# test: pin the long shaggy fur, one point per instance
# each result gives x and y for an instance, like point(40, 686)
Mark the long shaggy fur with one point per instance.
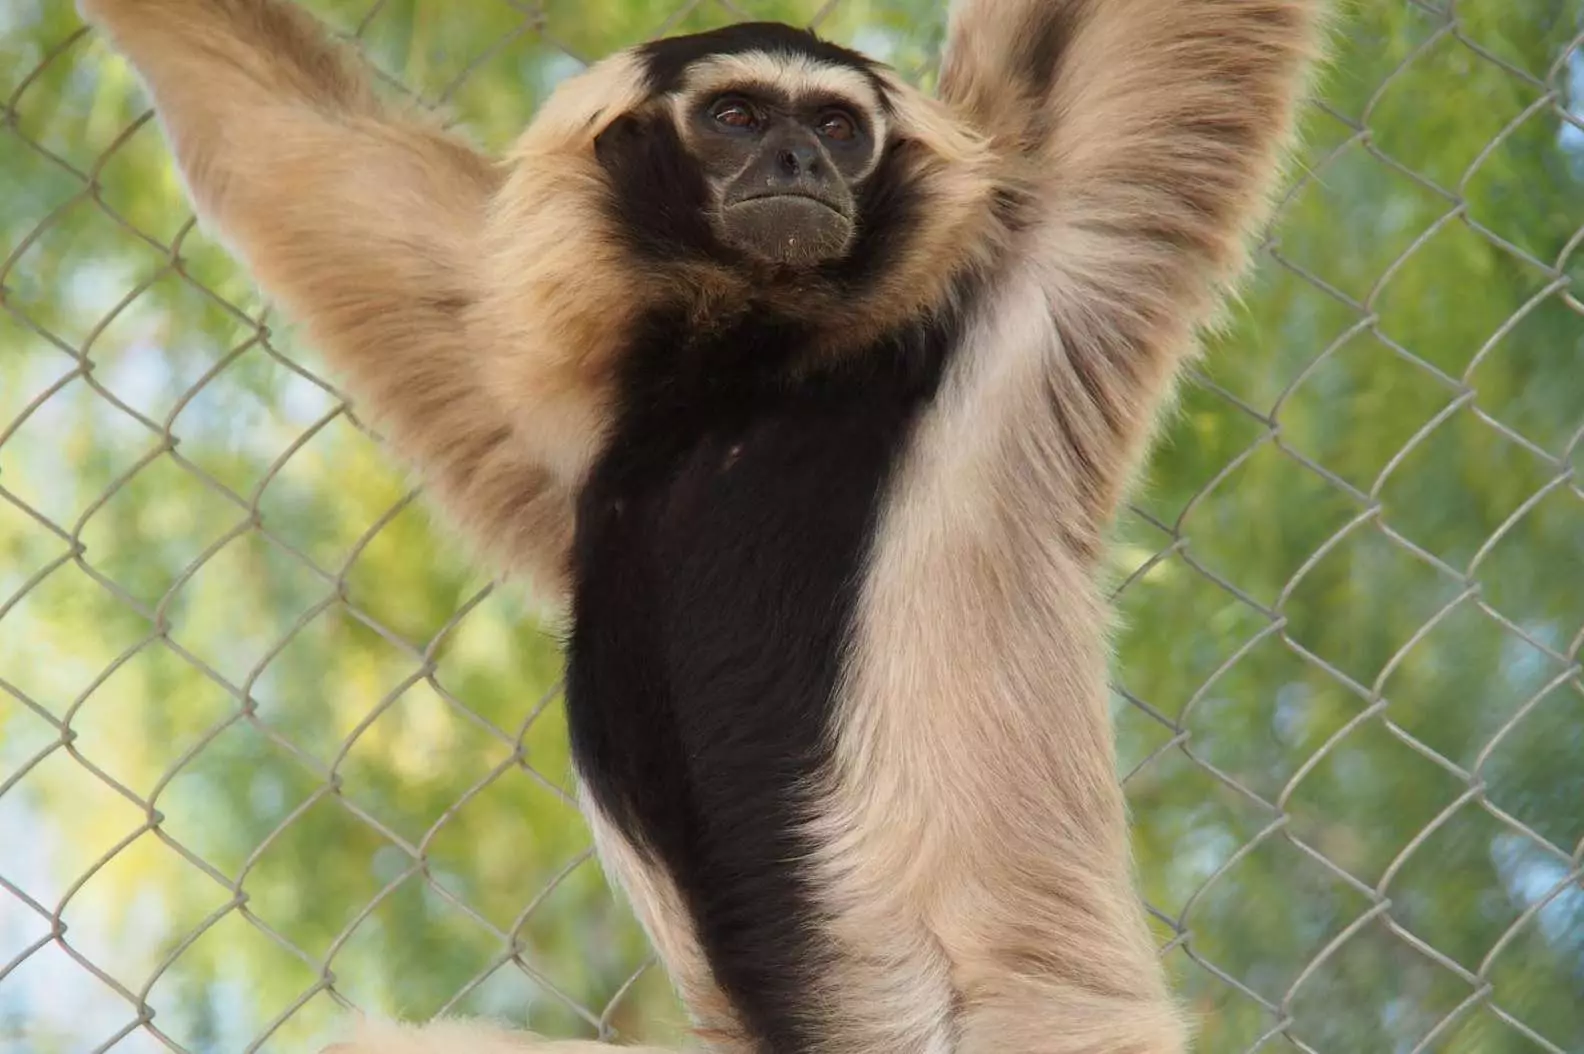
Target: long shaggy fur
point(901, 764)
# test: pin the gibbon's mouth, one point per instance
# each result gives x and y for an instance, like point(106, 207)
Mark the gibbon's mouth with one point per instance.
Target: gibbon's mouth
point(788, 228)
point(791, 195)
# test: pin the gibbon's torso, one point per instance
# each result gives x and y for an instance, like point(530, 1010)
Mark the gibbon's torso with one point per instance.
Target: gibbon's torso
point(719, 543)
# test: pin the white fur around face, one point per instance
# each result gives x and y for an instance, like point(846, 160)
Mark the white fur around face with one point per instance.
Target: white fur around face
point(796, 77)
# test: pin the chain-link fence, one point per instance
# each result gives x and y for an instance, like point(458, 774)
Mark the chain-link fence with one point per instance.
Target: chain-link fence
point(269, 749)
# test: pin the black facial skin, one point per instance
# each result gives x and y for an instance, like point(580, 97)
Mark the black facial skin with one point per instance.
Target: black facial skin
point(782, 174)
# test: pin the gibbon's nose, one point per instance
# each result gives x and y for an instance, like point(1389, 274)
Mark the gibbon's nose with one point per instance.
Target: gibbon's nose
point(793, 159)
point(798, 159)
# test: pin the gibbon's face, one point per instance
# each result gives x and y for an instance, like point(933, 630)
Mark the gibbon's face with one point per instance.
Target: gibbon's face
point(782, 167)
point(752, 149)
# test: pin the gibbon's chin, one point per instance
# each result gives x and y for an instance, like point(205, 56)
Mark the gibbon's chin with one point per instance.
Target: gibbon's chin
point(787, 229)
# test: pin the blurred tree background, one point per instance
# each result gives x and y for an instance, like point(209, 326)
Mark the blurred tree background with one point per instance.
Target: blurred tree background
point(267, 743)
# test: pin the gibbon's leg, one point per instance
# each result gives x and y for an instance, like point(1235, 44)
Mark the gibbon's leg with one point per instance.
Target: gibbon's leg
point(1148, 135)
point(658, 905)
point(362, 223)
point(468, 1037)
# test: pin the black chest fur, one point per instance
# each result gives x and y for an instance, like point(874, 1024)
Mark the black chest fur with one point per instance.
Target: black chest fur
point(719, 548)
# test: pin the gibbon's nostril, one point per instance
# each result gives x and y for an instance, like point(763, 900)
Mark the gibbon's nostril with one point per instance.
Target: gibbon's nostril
point(798, 160)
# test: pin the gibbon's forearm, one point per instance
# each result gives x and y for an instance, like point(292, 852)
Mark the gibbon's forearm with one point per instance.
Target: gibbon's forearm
point(363, 224)
point(1148, 135)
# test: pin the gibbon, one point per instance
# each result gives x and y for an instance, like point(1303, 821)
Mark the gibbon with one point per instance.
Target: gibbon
point(811, 397)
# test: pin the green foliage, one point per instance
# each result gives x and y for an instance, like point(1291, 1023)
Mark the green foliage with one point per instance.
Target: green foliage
point(267, 741)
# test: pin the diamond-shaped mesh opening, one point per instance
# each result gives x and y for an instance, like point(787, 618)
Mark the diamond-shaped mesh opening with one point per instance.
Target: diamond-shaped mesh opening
point(270, 747)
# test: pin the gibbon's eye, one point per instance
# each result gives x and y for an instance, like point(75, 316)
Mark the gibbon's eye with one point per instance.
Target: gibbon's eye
point(734, 113)
point(838, 125)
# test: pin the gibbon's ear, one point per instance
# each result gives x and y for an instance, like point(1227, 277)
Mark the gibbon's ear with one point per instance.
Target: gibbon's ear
point(363, 223)
point(620, 134)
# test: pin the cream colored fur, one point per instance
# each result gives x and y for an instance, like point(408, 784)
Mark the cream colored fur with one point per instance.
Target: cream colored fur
point(973, 851)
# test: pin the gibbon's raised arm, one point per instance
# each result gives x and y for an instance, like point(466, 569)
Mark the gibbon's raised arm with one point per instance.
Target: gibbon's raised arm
point(363, 223)
point(1146, 135)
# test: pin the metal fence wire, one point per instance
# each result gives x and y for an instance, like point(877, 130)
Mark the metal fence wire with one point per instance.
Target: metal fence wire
point(270, 749)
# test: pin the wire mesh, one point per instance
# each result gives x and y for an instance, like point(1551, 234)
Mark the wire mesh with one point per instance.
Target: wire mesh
point(263, 758)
